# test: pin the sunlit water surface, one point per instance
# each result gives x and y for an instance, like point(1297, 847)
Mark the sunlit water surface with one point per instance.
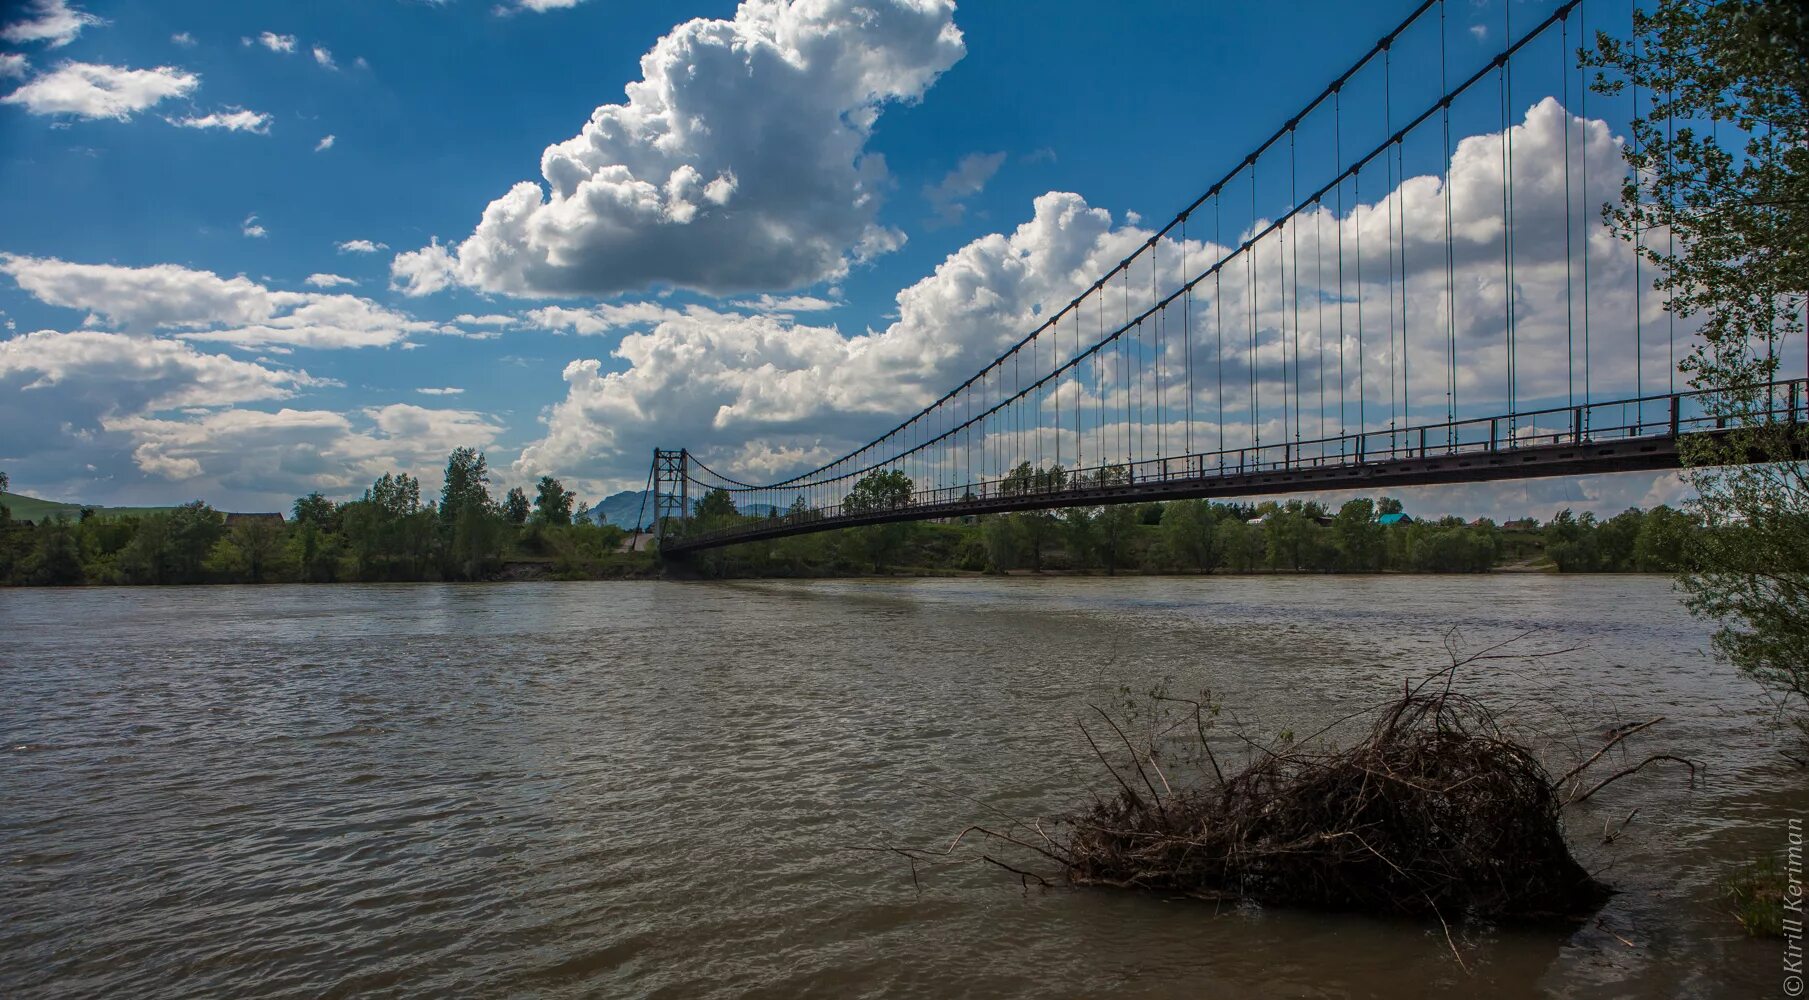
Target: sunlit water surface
point(660, 789)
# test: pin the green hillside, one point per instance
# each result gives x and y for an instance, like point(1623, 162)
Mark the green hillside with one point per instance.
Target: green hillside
point(33, 509)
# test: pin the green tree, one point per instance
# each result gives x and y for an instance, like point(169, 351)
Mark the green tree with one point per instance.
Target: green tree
point(1241, 543)
point(1078, 535)
point(1291, 535)
point(1113, 528)
point(467, 484)
point(553, 502)
point(471, 527)
point(1615, 539)
point(1038, 529)
point(194, 528)
point(515, 506)
point(1733, 201)
point(715, 507)
point(1190, 534)
point(316, 510)
point(1665, 541)
point(314, 553)
point(1004, 542)
point(56, 556)
point(876, 492)
point(1360, 539)
point(1570, 542)
point(249, 551)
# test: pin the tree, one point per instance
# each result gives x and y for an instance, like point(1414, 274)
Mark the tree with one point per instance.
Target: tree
point(56, 556)
point(515, 506)
point(1360, 538)
point(194, 528)
point(1189, 532)
point(1733, 203)
point(1037, 529)
point(1113, 527)
point(1003, 540)
point(467, 484)
point(250, 549)
point(715, 507)
point(553, 502)
point(1078, 535)
point(316, 510)
point(1389, 505)
point(1570, 542)
point(880, 491)
point(1665, 541)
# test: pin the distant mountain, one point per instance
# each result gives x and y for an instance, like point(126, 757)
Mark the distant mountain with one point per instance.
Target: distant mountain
point(623, 508)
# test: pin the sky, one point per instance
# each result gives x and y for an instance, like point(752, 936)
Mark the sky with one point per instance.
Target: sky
point(252, 250)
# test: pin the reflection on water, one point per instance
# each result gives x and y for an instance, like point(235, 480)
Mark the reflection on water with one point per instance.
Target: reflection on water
point(650, 789)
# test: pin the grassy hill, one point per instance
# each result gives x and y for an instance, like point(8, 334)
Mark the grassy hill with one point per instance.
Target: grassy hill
point(33, 509)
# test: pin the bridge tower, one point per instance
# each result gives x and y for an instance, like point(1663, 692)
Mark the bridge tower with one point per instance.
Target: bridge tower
point(671, 489)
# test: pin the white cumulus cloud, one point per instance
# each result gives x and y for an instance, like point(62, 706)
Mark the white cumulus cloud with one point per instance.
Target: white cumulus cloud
point(325, 143)
point(329, 280)
point(53, 22)
point(361, 246)
point(13, 64)
point(737, 163)
point(89, 90)
point(277, 43)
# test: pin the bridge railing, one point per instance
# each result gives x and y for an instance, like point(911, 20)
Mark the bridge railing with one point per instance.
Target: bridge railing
point(1657, 416)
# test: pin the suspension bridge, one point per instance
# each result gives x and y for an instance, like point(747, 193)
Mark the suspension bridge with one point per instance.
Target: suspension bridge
point(1362, 301)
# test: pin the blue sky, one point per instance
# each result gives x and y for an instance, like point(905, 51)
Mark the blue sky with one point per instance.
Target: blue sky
point(244, 256)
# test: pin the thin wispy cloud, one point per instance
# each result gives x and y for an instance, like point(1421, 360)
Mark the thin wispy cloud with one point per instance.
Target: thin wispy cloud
point(237, 120)
point(275, 42)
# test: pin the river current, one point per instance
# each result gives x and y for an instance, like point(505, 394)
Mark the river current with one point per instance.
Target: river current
point(634, 789)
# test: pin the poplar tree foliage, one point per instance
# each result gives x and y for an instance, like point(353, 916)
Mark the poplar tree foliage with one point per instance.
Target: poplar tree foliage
point(553, 502)
point(1718, 200)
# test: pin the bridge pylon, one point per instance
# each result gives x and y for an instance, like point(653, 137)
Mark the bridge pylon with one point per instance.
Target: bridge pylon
point(671, 491)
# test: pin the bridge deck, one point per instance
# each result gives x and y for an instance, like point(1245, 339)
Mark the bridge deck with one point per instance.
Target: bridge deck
point(1470, 451)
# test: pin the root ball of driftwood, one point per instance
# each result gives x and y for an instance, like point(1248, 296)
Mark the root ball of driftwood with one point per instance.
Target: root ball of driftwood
point(1435, 811)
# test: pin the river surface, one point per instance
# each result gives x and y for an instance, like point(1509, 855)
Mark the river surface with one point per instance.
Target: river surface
point(664, 789)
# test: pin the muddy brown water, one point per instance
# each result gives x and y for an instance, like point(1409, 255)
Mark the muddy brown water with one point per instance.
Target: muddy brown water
point(656, 789)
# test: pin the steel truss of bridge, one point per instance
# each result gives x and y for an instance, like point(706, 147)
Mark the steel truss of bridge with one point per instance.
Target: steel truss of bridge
point(1621, 436)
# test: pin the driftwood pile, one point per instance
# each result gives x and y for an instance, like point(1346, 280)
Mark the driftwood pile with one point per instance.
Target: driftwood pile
point(1435, 811)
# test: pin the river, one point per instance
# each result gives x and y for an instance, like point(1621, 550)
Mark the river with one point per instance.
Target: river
point(663, 789)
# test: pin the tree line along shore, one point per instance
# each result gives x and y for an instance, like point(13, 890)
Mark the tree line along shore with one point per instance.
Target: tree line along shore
point(391, 533)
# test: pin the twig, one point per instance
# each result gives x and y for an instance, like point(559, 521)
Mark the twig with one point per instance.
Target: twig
point(1623, 734)
point(1618, 775)
point(1449, 942)
point(1609, 838)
